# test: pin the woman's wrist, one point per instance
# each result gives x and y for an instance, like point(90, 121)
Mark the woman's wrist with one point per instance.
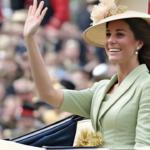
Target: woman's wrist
point(28, 38)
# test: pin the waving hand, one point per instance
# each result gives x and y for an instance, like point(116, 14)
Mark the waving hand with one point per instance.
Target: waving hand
point(34, 19)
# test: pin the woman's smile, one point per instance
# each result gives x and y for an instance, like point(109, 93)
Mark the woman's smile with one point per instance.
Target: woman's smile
point(114, 50)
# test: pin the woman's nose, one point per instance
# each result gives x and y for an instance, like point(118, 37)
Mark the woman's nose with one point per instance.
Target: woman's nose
point(112, 39)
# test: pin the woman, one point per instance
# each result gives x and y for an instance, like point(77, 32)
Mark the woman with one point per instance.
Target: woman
point(119, 108)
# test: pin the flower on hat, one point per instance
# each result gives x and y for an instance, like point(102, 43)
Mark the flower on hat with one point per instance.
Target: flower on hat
point(106, 8)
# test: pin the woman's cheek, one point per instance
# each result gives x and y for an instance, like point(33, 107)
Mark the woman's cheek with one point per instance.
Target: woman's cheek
point(106, 46)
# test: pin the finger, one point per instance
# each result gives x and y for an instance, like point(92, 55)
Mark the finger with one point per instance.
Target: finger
point(42, 15)
point(34, 7)
point(37, 14)
point(30, 10)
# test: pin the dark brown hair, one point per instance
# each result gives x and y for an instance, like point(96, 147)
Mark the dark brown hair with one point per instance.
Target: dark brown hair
point(141, 30)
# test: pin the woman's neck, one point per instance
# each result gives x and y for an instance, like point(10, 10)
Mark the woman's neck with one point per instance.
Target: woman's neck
point(124, 69)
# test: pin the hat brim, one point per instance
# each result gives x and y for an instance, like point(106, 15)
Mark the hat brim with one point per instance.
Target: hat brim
point(96, 34)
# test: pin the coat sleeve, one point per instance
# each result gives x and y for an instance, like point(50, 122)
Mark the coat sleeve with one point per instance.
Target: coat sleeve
point(143, 119)
point(78, 102)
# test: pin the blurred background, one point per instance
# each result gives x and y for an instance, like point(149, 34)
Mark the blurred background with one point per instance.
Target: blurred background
point(71, 62)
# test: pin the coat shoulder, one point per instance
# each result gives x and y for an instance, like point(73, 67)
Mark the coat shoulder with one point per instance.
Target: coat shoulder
point(144, 79)
point(101, 84)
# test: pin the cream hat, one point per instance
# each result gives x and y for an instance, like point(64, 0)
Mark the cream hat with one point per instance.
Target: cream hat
point(110, 10)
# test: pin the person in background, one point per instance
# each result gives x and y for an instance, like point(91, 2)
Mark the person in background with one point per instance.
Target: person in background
point(149, 7)
point(84, 21)
point(2, 92)
point(1, 16)
point(26, 122)
point(24, 89)
point(9, 110)
point(58, 13)
point(71, 53)
point(79, 76)
point(83, 16)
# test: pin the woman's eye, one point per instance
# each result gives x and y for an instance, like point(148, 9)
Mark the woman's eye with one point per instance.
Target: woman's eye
point(108, 34)
point(120, 34)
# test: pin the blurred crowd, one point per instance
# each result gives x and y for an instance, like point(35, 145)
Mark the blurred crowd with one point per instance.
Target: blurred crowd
point(71, 62)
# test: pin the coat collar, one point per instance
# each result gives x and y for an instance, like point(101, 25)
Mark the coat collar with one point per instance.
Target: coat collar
point(124, 86)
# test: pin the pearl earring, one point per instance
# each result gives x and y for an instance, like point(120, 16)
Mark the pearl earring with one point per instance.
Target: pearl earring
point(136, 52)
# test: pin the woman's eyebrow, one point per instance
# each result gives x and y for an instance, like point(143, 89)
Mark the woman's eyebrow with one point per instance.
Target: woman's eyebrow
point(121, 30)
point(117, 30)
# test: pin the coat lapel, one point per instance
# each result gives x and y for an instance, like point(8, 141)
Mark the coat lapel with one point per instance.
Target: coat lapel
point(124, 86)
point(97, 104)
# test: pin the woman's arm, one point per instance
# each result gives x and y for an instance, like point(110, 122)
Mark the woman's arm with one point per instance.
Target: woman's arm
point(40, 74)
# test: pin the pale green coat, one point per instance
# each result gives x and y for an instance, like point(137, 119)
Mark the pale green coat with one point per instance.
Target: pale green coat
point(126, 118)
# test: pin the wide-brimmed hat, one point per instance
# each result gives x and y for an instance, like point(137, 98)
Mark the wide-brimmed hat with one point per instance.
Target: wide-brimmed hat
point(110, 10)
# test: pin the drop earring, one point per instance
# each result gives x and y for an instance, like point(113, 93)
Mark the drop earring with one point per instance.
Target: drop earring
point(137, 51)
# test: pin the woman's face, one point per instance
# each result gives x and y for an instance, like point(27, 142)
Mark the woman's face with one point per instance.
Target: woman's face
point(120, 43)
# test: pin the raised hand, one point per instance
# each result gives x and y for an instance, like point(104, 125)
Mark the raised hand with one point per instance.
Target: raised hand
point(34, 19)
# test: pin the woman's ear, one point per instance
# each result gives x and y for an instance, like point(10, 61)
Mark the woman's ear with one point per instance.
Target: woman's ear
point(140, 44)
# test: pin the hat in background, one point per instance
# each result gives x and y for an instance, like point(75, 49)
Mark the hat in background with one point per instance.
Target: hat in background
point(57, 85)
point(74, 68)
point(99, 70)
point(5, 42)
point(21, 49)
point(50, 117)
point(67, 84)
point(4, 54)
point(62, 74)
point(19, 15)
point(110, 10)
point(27, 110)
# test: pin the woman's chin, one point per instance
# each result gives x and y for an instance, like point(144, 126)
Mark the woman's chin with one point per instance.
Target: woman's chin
point(113, 60)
